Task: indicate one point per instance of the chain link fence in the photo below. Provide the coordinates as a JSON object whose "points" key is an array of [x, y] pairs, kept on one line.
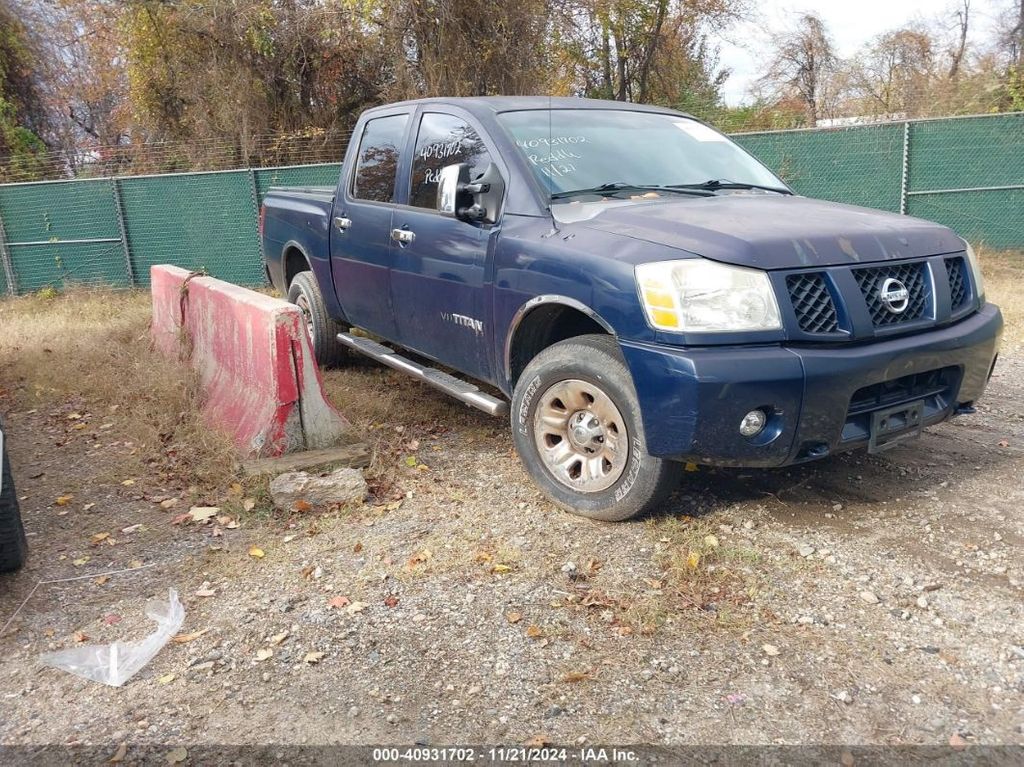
{"points": [[967, 173]]}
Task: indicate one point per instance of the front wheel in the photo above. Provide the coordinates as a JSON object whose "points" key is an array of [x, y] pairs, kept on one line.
{"points": [[323, 331], [577, 427]]}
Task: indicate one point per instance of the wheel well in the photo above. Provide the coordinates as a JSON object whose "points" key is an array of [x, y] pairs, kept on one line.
{"points": [[294, 262], [546, 325]]}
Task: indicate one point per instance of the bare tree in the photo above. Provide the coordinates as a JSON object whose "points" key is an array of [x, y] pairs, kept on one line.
{"points": [[956, 54], [803, 64]]}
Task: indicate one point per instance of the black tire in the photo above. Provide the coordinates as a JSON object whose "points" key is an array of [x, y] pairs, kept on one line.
{"points": [[13, 546], [594, 365], [305, 293]]}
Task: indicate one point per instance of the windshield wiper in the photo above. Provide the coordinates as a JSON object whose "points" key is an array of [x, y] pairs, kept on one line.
{"points": [[618, 186], [721, 183]]}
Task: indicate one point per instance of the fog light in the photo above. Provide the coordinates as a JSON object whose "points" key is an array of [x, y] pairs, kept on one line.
{"points": [[752, 423]]}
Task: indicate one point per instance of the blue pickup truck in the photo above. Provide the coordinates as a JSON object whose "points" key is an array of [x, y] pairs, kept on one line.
{"points": [[633, 288]]}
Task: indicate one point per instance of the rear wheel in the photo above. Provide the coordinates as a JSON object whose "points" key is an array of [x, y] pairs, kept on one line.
{"points": [[323, 331], [13, 547], [577, 427]]}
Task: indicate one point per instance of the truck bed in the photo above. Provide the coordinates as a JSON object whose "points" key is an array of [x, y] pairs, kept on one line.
{"points": [[298, 217]]}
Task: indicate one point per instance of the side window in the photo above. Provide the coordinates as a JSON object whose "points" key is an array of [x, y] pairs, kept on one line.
{"points": [[379, 151], [443, 140]]}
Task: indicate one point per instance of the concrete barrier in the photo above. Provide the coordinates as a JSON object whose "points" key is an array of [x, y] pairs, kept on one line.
{"points": [[254, 359]]}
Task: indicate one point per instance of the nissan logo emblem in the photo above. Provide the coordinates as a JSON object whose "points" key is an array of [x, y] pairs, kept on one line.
{"points": [[894, 295]]}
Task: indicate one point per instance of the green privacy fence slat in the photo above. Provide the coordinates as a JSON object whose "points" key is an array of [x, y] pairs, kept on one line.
{"points": [[860, 165], [61, 233], [58, 265], [66, 210], [995, 218], [303, 175], [967, 152], [196, 221]]}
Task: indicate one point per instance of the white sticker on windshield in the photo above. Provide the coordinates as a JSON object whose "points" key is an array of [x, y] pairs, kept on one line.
{"points": [[699, 131]]}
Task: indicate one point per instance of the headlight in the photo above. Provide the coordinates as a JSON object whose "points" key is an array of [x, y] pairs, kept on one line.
{"points": [[979, 283], [701, 296]]}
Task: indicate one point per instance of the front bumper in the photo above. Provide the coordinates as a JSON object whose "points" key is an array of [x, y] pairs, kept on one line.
{"points": [[693, 399]]}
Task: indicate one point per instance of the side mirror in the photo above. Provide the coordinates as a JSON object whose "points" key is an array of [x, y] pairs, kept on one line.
{"points": [[477, 200]]}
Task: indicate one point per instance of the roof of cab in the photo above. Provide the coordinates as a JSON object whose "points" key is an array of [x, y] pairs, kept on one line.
{"points": [[517, 103]]}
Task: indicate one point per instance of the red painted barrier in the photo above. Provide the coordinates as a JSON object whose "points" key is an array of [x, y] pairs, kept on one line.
{"points": [[254, 360]]}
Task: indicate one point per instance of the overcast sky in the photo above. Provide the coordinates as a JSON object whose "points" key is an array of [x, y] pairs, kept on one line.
{"points": [[852, 23]]}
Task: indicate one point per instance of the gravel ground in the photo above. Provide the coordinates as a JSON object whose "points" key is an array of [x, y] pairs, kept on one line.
{"points": [[859, 600]]}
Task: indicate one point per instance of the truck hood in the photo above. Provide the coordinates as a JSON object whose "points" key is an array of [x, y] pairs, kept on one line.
{"points": [[771, 231]]}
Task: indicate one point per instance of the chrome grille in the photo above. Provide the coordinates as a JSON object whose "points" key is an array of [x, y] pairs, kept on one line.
{"points": [[912, 276]]}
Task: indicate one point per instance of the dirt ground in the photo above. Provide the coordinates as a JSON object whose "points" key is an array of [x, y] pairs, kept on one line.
{"points": [[859, 600]]}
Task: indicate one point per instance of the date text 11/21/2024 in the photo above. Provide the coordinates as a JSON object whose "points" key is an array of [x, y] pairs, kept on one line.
{"points": [[504, 754]]}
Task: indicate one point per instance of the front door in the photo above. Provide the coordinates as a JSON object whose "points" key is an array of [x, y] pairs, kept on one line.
{"points": [[438, 262], [361, 226]]}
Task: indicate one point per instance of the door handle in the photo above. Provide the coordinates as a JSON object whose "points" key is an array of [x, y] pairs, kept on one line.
{"points": [[342, 223], [403, 236]]}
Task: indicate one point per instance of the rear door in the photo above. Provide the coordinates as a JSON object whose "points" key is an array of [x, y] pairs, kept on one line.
{"points": [[361, 224], [438, 278]]}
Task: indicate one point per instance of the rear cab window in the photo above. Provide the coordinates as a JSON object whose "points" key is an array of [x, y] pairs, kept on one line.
{"points": [[443, 139], [380, 149]]}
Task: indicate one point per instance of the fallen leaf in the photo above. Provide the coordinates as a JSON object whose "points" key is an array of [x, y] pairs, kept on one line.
{"points": [[1003, 443], [166, 679], [500, 569], [80, 561], [356, 607], [169, 503], [235, 489], [358, 547], [422, 467], [576, 676], [691, 467], [278, 638], [181, 518], [128, 482], [302, 505], [112, 619], [711, 541], [176, 756], [264, 653], [80, 636], [693, 560], [74, 416], [770, 650], [232, 525], [119, 754], [183, 638], [203, 513], [534, 632], [64, 500], [513, 617], [537, 741], [338, 602], [957, 742], [99, 538], [256, 552], [313, 657], [419, 558], [101, 579], [88, 506], [288, 539], [249, 504]]}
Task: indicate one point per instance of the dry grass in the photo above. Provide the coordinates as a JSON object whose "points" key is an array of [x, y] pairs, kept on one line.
{"points": [[89, 350], [1004, 277]]}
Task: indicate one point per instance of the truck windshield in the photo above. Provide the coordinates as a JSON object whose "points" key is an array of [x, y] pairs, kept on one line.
{"points": [[608, 151]]}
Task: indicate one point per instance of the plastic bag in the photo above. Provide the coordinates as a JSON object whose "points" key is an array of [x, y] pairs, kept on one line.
{"points": [[116, 663]]}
